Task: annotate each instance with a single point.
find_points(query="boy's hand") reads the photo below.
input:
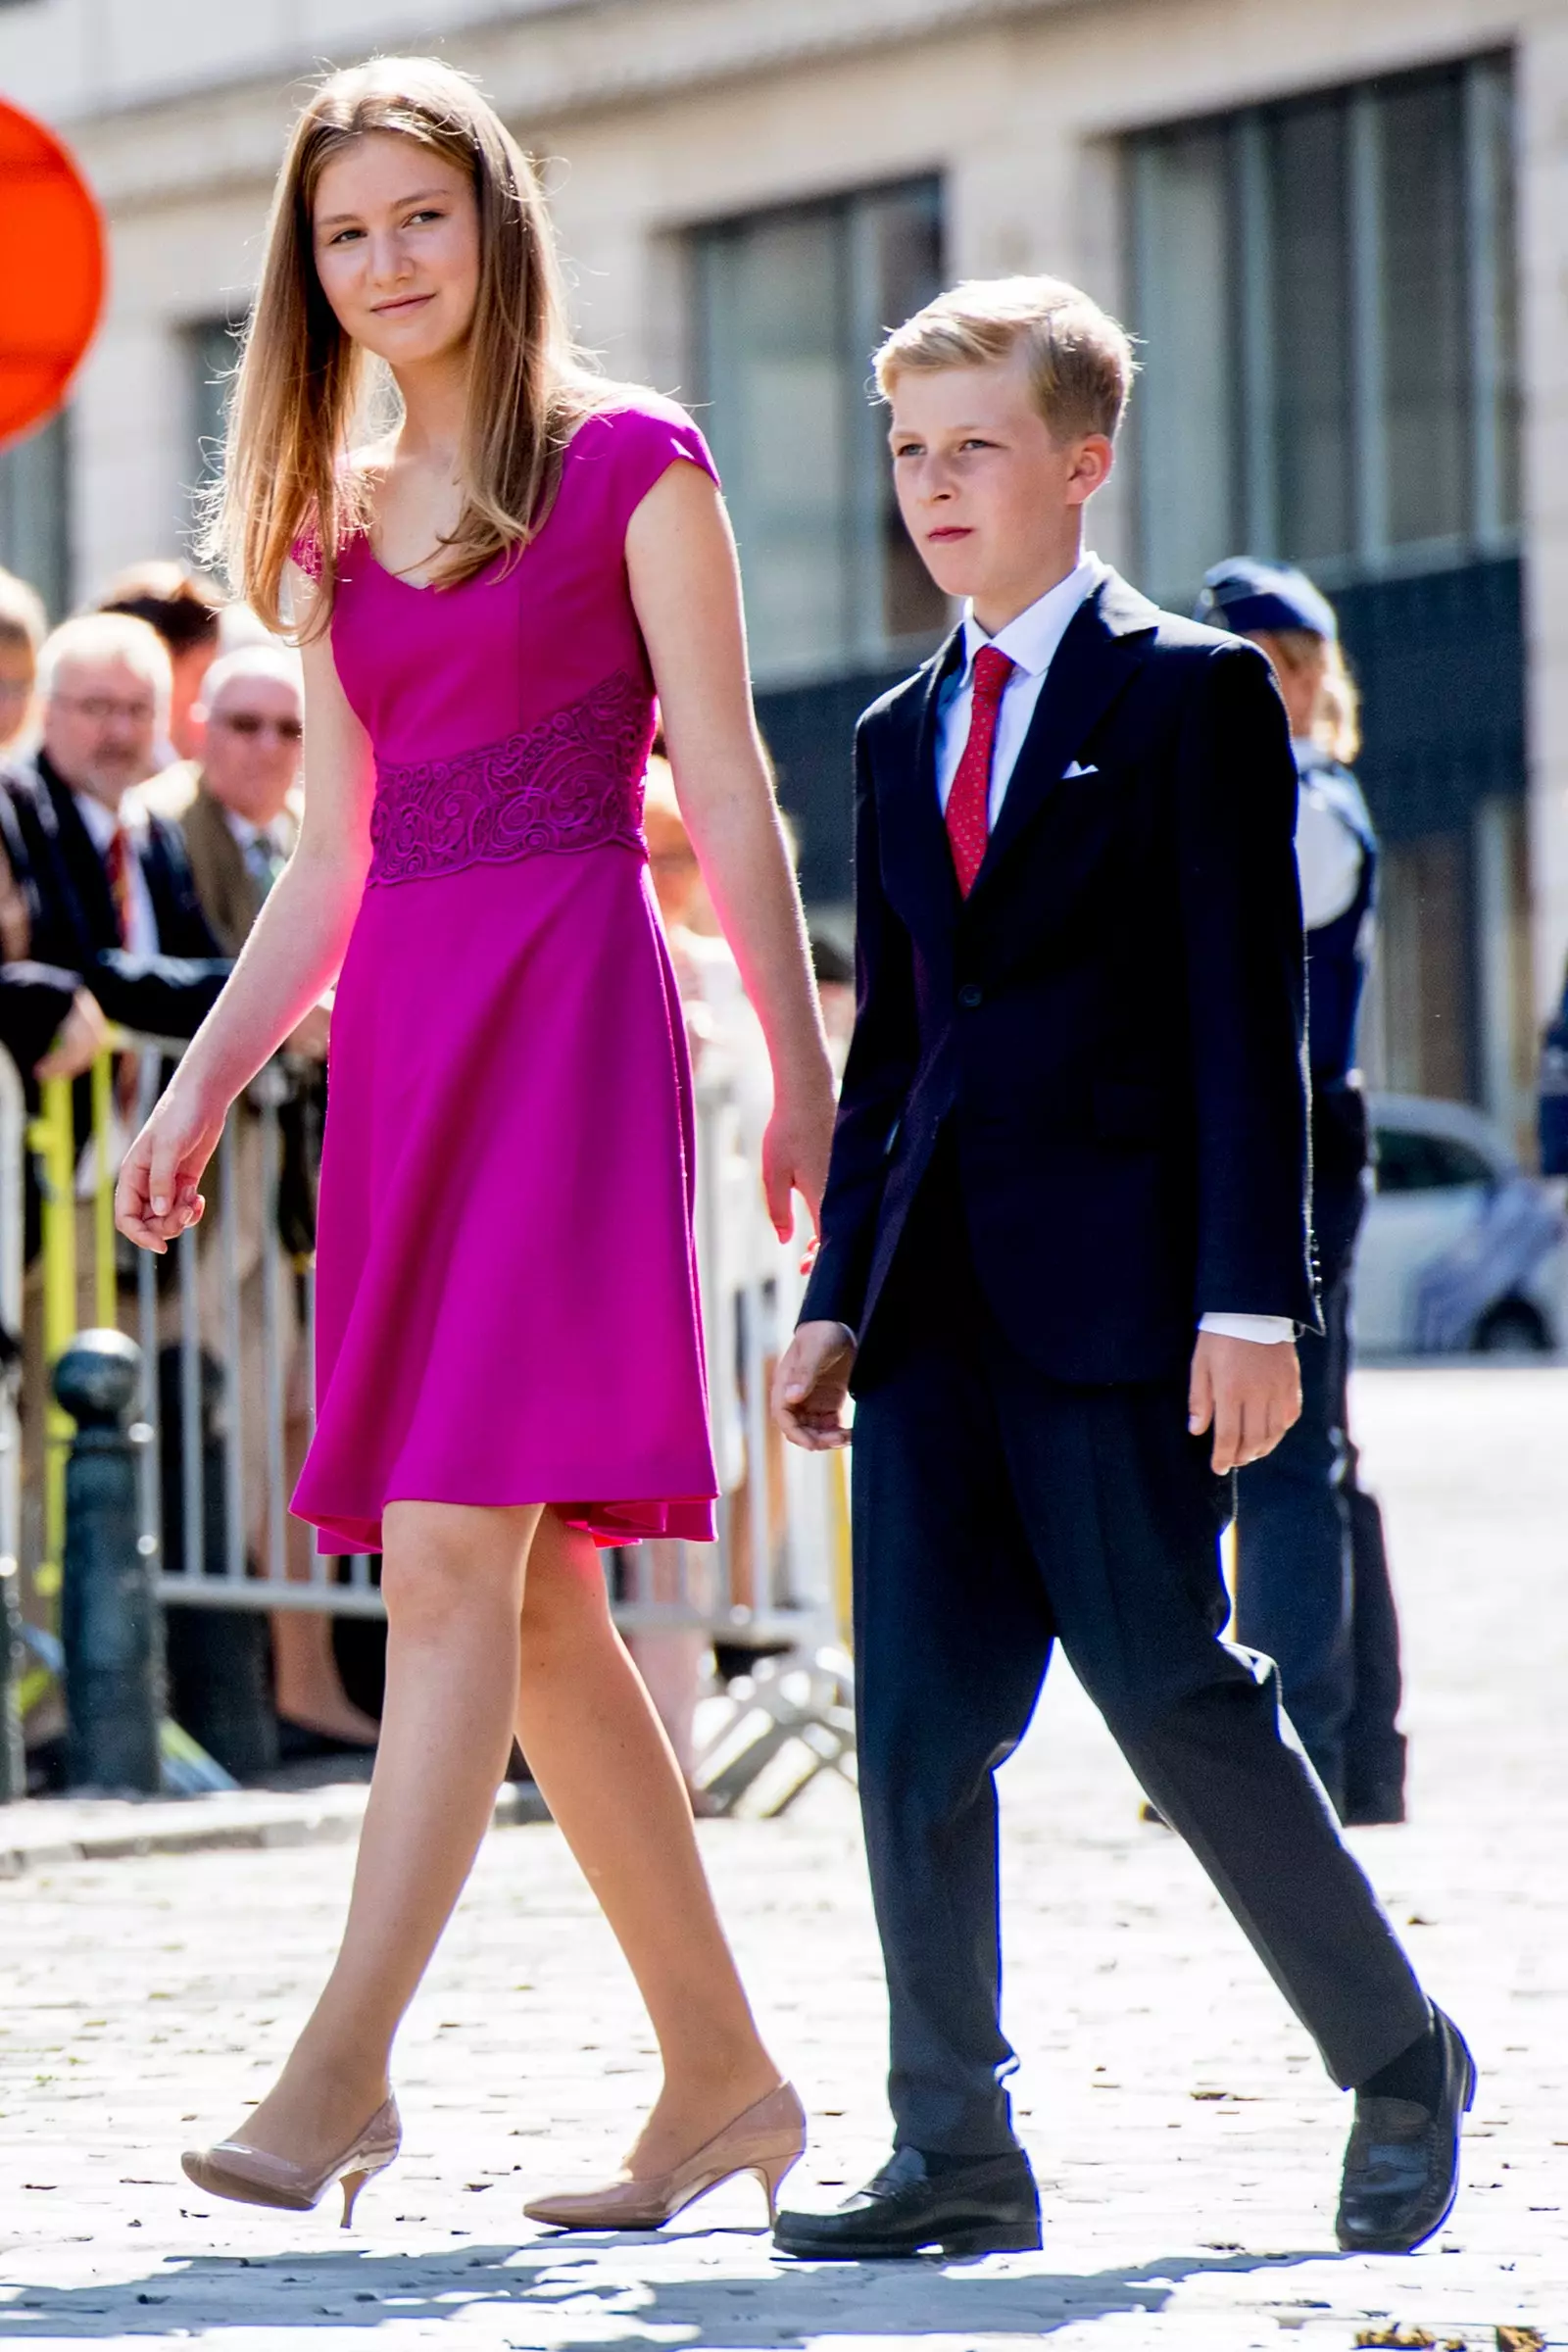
(1248, 1391)
(812, 1384)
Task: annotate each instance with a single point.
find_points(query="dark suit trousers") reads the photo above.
(1313, 1585)
(997, 1511)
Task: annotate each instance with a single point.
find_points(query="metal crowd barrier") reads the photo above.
(773, 1586)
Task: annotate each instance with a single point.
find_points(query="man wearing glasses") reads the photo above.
(108, 884)
(243, 816)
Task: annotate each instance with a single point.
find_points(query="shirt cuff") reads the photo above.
(1265, 1331)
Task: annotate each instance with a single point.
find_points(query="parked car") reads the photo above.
(1461, 1249)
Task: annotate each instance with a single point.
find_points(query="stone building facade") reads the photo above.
(1341, 232)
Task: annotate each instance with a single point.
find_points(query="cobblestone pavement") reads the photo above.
(1187, 2143)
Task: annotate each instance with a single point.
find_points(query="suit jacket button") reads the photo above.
(969, 996)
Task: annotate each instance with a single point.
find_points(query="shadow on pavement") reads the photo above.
(616, 2280)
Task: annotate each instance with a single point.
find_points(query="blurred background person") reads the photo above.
(1312, 1587)
(100, 890)
(728, 1050)
(725, 1040)
(241, 808)
(240, 819)
(833, 969)
(24, 626)
(50, 1024)
(186, 608)
(108, 885)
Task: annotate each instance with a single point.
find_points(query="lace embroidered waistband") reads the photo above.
(573, 782)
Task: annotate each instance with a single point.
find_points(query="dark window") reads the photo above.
(1324, 290)
(1410, 1162)
(789, 306)
(1310, 307)
(212, 351)
(35, 512)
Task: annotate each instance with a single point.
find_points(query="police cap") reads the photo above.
(1246, 597)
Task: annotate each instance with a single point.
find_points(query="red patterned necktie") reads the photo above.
(117, 866)
(970, 801)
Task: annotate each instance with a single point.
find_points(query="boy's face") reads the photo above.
(990, 497)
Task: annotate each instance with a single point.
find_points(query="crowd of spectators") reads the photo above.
(150, 754)
(150, 794)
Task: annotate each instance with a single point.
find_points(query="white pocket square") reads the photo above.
(1073, 768)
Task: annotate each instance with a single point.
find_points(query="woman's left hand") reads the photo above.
(795, 1155)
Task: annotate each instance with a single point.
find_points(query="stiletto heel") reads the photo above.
(767, 2142)
(772, 2174)
(249, 2176)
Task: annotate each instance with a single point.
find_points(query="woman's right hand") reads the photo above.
(156, 1196)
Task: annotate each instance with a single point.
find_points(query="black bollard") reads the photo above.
(109, 1611)
(219, 1661)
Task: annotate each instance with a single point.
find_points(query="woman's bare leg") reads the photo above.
(609, 1775)
(452, 1577)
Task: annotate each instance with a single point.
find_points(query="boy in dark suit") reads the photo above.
(1063, 1259)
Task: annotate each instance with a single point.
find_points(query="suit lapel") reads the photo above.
(83, 868)
(1104, 644)
(914, 832)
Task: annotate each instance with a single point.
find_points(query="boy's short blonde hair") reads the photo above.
(1080, 359)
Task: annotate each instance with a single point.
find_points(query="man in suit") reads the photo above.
(101, 898)
(109, 885)
(1063, 1259)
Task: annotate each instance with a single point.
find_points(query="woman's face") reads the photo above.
(395, 237)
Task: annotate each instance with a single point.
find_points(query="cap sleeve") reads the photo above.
(647, 439)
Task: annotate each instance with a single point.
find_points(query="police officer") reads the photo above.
(1312, 1583)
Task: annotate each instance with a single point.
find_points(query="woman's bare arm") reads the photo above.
(292, 955)
(685, 585)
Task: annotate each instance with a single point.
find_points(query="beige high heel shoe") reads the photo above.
(251, 2177)
(769, 2140)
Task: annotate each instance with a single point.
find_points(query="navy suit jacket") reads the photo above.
(71, 909)
(1113, 1021)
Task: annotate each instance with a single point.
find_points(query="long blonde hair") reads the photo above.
(1336, 726)
(302, 381)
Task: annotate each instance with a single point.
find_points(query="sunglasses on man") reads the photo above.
(254, 722)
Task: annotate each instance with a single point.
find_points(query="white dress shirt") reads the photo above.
(100, 822)
(1329, 856)
(276, 834)
(1031, 640)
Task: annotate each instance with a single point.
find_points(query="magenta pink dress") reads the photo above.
(506, 1303)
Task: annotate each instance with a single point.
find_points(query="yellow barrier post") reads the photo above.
(51, 1138)
(103, 1202)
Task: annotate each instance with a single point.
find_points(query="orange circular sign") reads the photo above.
(51, 270)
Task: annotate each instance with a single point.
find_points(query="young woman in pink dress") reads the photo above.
(509, 1358)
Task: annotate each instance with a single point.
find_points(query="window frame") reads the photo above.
(866, 514)
(1252, 495)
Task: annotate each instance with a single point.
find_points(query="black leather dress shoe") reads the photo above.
(988, 2207)
(1402, 2168)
